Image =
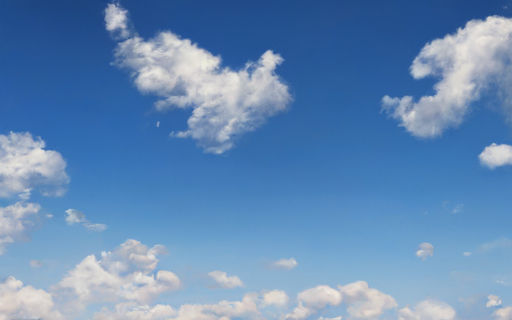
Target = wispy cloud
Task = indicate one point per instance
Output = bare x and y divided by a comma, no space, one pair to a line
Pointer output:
74,216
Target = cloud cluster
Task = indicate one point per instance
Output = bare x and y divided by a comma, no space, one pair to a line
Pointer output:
25,302
425,250
222,280
25,164
74,216
362,302
127,273
15,221
469,63
225,103
125,282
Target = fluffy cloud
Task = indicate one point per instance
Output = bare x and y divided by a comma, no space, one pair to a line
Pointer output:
314,299
428,310
470,62
503,314
287,264
222,279
25,165
132,311
127,273
15,221
425,250
276,298
74,216
496,155
493,301
364,302
25,302
225,103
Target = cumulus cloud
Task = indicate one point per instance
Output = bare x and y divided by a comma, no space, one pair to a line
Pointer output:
425,250
127,273
364,302
25,164
286,264
312,300
503,314
469,63
25,302
224,103
276,298
222,280
74,216
496,155
493,301
428,310
15,221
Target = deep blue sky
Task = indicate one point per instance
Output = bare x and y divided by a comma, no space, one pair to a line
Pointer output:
332,182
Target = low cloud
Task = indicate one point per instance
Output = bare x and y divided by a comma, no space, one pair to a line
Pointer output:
222,280
225,103
425,250
496,155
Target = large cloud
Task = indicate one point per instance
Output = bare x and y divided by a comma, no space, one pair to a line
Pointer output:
127,273
25,164
469,63
225,103
15,221
18,301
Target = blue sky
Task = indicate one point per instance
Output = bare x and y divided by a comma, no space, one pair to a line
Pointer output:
300,158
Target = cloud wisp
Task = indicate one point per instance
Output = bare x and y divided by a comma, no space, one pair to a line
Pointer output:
425,250
225,103
74,216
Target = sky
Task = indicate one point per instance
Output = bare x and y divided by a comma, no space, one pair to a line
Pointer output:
218,160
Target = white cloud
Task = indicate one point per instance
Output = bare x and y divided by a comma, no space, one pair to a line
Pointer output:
225,103
222,279
312,300
467,254
428,310
469,63
116,21
503,314
25,302
333,318
276,298
364,302
287,264
127,273
74,216
425,250
496,155
493,301
26,165
15,221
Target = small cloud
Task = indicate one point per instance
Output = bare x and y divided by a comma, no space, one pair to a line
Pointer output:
425,250
286,264
467,253
157,124
222,280
49,216
458,208
74,216
36,263
493,301
496,155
